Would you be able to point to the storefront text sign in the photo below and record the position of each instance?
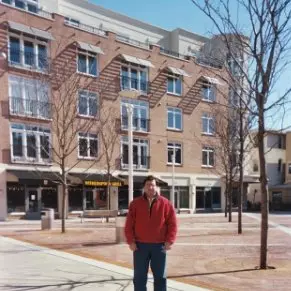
(102, 184)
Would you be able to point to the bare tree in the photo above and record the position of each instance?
(109, 135)
(267, 27)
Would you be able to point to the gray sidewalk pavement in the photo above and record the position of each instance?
(26, 267)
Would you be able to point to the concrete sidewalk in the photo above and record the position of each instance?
(26, 266)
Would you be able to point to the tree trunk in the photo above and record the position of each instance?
(265, 198)
(230, 206)
(226, 201)
(108, 193)
(241, 169)
(65, 190)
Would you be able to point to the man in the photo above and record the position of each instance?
(150, 231)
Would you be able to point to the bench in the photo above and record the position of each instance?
(99, 213)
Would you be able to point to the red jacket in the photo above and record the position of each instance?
(155, 224)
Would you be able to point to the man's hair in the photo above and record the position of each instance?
(149, 178)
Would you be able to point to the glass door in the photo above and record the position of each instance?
(33, 200)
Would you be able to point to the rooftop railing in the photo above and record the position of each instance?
(132, 41)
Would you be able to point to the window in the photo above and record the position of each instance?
(88, 103)
(140, 153)
(27, 52)
(87, 63)
(72, 21)
(207, 124)
(236, 65)
(88, 145)
(30, 143)
(29, 5)
(175, 153)
(255, 166)
(208, 92)
(28, 97)
(174, 84)
(140, 120)
(289, 168)
(174, 118)
(279, 165)
(134, 77)
(207, 157)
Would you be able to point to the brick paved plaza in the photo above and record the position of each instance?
(208, 252)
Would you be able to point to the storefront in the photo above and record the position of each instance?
(89, 191)
(208, 199)
(28, 192)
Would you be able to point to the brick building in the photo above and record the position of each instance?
(111, 60)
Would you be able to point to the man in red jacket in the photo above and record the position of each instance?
(150, 231)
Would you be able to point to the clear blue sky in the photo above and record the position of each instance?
(170, 14)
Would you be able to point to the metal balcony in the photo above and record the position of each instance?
(30, 108)
(139, 162)
(30, 154)
(138, 124)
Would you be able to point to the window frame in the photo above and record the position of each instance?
(176, 145)
(26, 3)
(175, 111)
(88, 97)
(139, 105)
(23, 83)
(36, 43)
(139, 68)
(210, 87)
(208, 117)
(208, 150)
(139, 142)
(88, 137)
(175, 77)
(25, 130)
(88, 54)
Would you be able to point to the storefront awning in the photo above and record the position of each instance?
(90, 48)
(33, 177)
(137, 61)
(178, 72)
(30, 30)
(140, 180)
(94, 180)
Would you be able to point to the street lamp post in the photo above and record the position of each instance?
(172, 197)
(129, 108)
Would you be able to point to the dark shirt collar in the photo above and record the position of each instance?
(156, 196)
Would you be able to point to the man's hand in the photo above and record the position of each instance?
(133, 247)
(168, 246)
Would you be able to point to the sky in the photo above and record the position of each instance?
(170, 14)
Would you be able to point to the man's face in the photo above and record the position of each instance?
(150, 187)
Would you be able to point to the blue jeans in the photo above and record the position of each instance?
(153, 254)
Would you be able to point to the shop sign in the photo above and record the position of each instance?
(102, 183)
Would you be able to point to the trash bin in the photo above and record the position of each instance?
(47, 218)
(119, 229)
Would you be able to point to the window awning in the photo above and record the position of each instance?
(30, 30)
(211, 80)
(34, 177)
(140, 180)
(178, 71)
(89, 47)
(137, 61)
(94, 180)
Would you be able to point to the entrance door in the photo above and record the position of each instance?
(89, 199)
(33, 210)
(208, 199)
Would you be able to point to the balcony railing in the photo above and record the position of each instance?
(139, 162)
(128, 83)
(28, 60)
(138, 124)
(30, 154)
(30, 108)
(132, 41)
(82, 26)
(173, 54)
